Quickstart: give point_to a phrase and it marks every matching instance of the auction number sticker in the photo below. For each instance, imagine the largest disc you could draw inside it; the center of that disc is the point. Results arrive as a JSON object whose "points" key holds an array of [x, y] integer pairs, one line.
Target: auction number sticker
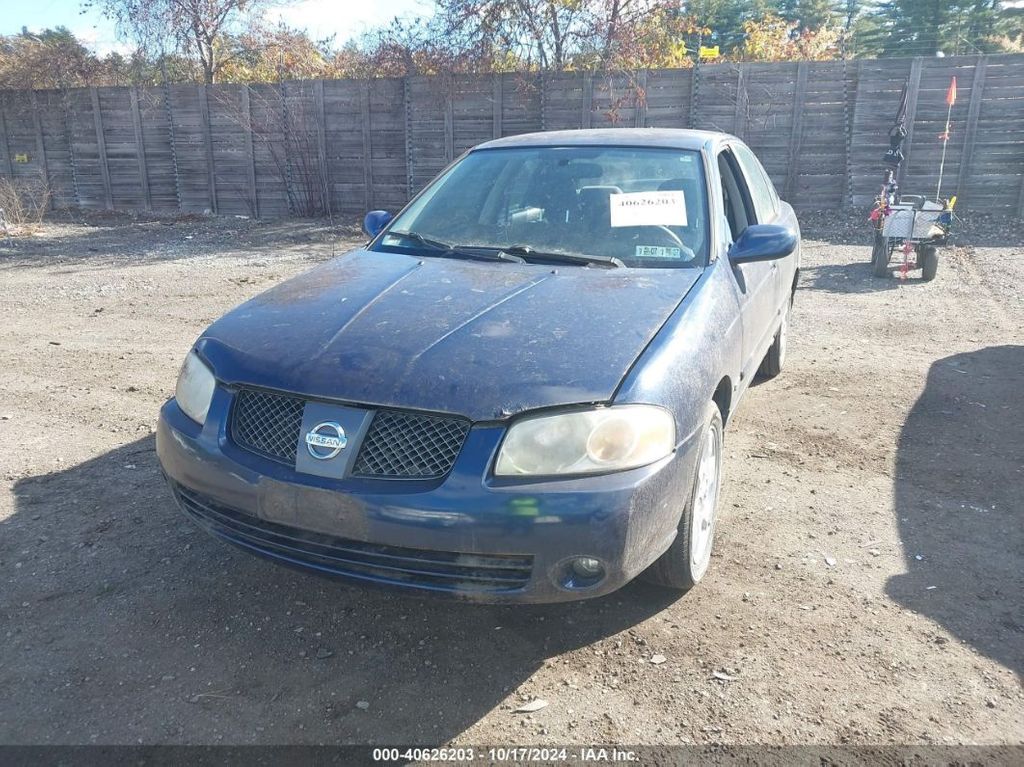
{"points": [[648, 208]]}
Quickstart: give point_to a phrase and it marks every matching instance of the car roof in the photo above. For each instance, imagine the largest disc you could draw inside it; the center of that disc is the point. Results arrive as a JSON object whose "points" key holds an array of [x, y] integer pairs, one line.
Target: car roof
{"points": [[667, 138]]}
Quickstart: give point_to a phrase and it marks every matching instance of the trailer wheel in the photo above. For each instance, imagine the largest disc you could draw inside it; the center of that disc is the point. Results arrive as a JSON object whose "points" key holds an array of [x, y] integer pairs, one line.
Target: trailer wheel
{"points": [[880, 256], [929, 258]]}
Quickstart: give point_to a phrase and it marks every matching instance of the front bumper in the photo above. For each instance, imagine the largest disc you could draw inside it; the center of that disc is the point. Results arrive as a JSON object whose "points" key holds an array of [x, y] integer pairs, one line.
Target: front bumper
{"points": [[468, 536]]}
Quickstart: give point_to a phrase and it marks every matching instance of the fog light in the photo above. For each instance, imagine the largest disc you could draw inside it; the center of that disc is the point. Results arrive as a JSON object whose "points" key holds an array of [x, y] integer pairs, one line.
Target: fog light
{"points": [[587, 567]]}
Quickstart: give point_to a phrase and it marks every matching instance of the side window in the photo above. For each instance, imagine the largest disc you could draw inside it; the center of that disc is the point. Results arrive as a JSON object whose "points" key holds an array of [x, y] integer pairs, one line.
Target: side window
{"points": [[762, 192], [739, 210]]}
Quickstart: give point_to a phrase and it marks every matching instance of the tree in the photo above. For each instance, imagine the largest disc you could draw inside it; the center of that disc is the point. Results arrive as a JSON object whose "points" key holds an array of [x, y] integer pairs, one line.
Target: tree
{"points": [[927, 27], [811, 14], [724, 21], [541, 34], [52, 58], [404, 47], [772, 38], [195, 28], [265, 53], [627, 36]]}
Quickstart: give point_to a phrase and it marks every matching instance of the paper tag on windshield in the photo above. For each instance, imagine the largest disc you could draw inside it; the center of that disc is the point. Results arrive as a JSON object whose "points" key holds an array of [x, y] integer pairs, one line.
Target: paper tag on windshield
{"points": [[648, 208], [657, 251]]}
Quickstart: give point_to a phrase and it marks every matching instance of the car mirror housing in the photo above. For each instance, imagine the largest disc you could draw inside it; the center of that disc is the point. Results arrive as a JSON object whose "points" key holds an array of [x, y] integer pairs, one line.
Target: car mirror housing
{"points": [[763, 242], [375, 221]]}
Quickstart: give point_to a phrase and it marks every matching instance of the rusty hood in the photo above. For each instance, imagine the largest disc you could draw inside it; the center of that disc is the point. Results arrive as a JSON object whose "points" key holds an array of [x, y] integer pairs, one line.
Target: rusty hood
{"points": [[482, 339]]}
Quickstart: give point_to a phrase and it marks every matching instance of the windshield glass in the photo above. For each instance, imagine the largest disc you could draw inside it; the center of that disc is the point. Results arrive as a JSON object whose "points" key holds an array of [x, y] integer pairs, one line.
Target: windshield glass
{"points": [[644, 207]]}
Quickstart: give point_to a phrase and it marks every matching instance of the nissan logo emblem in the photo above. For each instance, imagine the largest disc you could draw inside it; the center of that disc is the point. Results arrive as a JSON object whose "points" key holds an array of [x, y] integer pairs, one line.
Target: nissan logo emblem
{"points": [[326, 440]]}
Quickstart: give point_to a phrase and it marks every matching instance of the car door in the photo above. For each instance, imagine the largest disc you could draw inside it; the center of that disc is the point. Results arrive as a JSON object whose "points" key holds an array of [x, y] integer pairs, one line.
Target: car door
{"points": [[757, 281], [768, 210]]}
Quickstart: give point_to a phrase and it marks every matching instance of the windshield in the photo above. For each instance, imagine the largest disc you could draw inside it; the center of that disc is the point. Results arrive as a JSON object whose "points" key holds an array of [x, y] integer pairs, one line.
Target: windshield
{"points": [[641, 207]]}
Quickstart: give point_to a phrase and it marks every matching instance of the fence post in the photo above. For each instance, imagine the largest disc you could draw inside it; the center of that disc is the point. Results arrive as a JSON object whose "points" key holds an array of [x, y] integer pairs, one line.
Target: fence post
{"points": [[739, 123], [364, 102], [543, 99], [691, 118], [407, 94], [977, 87], [69, 140], [796, 133], [170, 133], [640, 97], [140, 148], [850, 120], [1020, 198], [588, 99], [286, 134], [497, 104], [204, 117], [321, 142], [249, 153], [8, 167], [449, 120], [912, 89], [101, 146], [41, 145]]}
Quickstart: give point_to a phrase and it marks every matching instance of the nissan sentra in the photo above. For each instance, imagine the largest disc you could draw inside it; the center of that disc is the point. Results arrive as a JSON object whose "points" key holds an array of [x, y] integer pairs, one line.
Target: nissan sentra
{"points": [[516, 390]]}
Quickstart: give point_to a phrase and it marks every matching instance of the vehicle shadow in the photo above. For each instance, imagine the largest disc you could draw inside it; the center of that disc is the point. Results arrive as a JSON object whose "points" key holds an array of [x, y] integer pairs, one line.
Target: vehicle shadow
{"points": [[855, 278], [959, 474], [124, 623]]}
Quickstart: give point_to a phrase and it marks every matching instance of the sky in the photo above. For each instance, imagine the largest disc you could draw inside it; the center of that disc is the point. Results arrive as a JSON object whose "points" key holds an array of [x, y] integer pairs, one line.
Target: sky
{"points": [[345, 19]]}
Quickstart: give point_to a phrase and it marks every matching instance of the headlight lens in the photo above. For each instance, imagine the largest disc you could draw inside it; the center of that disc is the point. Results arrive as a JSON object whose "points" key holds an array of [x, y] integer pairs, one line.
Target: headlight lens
{"points": [[195, 388], [587, 442]]}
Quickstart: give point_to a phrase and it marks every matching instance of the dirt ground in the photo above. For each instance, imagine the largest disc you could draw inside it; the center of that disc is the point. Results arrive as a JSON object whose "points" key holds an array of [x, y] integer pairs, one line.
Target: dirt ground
{"points": [[867, 585]]}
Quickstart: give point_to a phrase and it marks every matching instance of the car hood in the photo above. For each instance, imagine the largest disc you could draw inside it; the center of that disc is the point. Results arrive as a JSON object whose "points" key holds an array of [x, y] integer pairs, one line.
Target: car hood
{"points": [[482, 339]]}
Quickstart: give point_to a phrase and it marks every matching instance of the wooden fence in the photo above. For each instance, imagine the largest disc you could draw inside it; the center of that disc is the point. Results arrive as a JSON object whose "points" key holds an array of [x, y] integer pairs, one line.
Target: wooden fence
{"points": [[345, 146]]}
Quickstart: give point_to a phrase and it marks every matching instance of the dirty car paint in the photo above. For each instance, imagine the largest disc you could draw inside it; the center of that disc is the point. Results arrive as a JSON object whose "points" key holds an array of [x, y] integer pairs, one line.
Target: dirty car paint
{"points": [[476, 339]]}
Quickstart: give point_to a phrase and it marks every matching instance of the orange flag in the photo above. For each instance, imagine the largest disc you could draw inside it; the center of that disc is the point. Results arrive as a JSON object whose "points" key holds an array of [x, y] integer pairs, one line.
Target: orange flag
{"points": [[951, 93]]}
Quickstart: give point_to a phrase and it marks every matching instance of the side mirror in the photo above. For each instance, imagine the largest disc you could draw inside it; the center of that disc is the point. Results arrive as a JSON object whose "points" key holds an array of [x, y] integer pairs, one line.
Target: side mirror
{"points": [[375, 221], [762, 242]]}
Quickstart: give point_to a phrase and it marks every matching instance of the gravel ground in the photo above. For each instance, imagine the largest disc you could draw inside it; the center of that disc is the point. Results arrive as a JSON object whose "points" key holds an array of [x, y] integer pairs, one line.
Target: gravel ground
{"points": [[867, 586]]}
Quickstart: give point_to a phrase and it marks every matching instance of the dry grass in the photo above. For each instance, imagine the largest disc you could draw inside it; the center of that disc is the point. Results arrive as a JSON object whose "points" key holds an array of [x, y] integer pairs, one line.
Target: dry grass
{"points": [[23, 205]]}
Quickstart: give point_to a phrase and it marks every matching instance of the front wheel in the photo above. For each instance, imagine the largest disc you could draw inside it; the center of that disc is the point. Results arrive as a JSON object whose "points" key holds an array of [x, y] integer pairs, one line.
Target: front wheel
{"points": [[687, 559], [929, 258]]}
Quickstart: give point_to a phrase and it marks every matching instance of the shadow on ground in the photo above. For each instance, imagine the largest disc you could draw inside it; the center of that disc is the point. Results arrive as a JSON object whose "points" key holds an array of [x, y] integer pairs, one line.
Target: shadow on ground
{"points": [[124, 623], [125, 240], [958, 496], [856, 278]]}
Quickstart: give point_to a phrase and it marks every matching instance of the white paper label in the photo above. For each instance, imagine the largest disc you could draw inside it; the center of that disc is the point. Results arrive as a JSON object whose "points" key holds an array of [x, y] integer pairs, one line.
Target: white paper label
{"points": [[648, 208]]}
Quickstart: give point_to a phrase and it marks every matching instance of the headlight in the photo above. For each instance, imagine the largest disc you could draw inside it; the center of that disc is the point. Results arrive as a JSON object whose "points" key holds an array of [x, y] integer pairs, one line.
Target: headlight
{"points": [[587, 442], [195, 388]]}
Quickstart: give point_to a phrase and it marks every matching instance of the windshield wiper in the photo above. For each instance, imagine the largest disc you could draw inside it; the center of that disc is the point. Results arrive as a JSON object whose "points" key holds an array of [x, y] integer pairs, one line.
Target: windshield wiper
{"points": [[528, 253], [425, 241], [461, 251]]}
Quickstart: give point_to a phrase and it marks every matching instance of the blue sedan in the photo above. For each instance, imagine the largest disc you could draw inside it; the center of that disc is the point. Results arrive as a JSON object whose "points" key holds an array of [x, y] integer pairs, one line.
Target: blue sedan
{"points": [[516, 390]]}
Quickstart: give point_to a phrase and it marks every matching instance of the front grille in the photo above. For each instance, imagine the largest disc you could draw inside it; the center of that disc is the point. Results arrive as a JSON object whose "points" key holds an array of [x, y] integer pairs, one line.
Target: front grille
{"points": [[268, 424], [396, 565], [398, 445], [406, 445]]}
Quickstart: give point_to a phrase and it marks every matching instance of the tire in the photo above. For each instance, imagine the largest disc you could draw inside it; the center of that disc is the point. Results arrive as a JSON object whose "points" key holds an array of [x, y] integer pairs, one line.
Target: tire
{"points": [[775, 357], [687, 559], [880, 256], [929, 258]]}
